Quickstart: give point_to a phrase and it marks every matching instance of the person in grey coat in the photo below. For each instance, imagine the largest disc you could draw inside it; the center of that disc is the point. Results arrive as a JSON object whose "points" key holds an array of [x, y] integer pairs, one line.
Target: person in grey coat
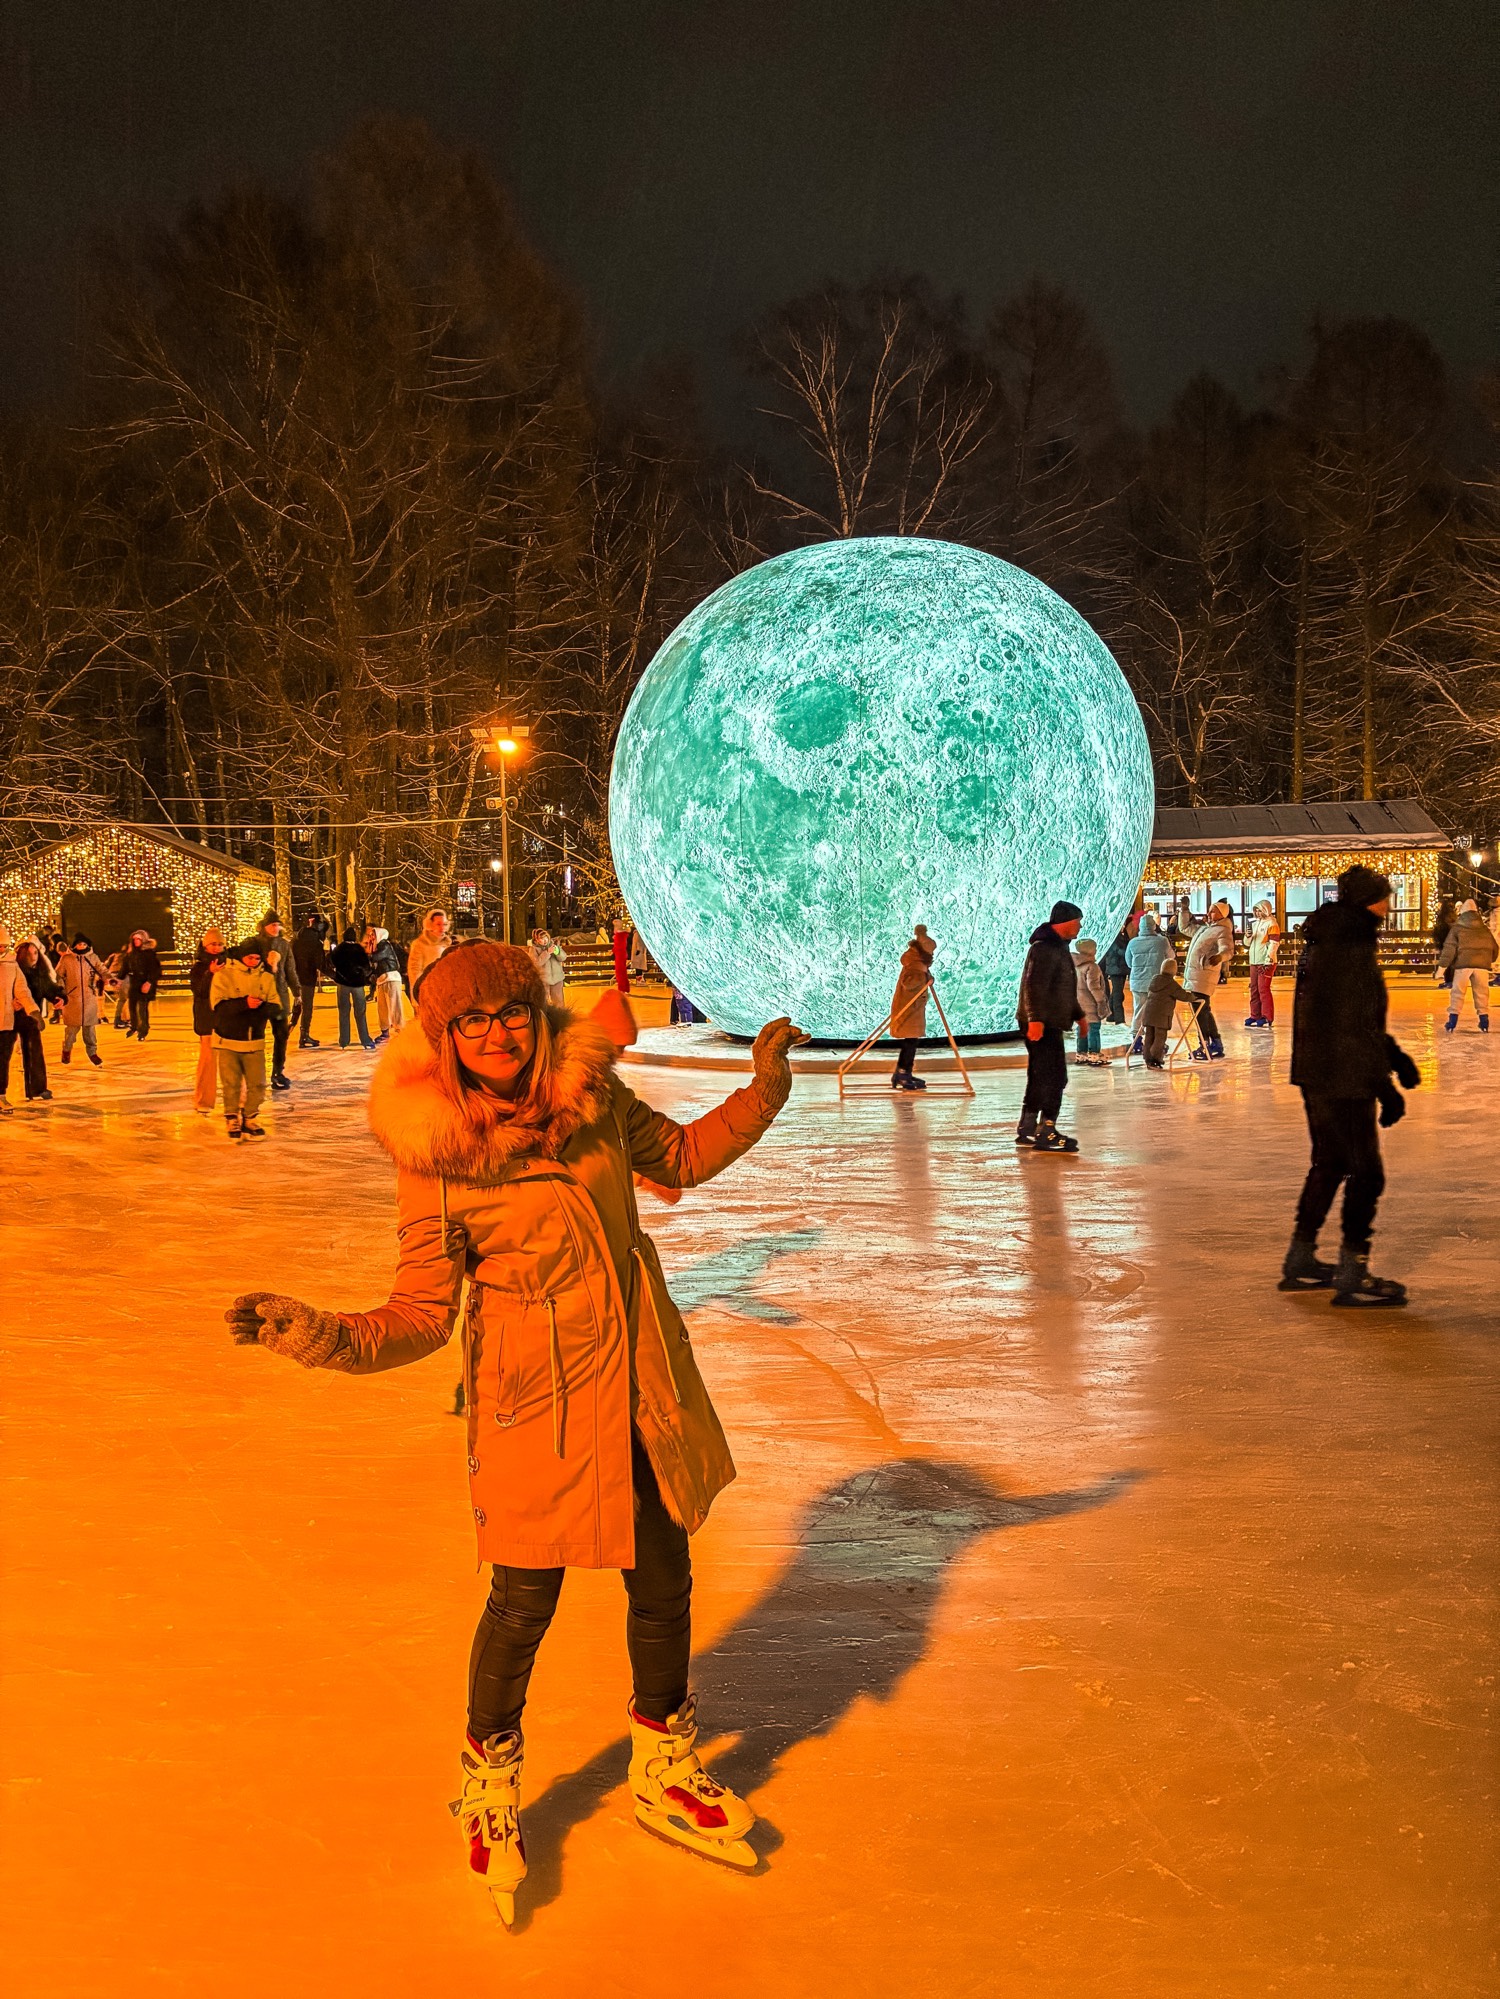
{"points": [[1093, 1002], [1469, 950]]}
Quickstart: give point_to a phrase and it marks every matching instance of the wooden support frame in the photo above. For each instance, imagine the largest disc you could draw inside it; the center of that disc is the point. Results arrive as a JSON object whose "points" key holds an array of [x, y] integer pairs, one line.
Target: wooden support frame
{"points": [[867, 1046]]}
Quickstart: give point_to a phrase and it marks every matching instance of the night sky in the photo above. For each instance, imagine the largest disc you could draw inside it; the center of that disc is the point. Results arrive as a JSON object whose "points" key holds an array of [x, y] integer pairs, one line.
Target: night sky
{"points": [[1205, 176]]}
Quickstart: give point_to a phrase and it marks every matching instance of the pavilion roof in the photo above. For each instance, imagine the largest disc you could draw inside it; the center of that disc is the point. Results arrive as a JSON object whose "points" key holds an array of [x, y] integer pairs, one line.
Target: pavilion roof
{"points": [[161, 836], [1380, 824]]}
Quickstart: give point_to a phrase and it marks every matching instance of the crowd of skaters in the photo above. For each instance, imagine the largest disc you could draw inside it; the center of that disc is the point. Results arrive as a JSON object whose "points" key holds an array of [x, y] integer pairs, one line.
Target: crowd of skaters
{"points": [[247, 998], [1344, 1062]]}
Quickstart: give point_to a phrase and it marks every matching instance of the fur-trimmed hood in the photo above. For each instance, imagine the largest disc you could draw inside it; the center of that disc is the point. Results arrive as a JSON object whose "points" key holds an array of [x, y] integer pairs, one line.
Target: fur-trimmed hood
{"points": [[475, 1140]]}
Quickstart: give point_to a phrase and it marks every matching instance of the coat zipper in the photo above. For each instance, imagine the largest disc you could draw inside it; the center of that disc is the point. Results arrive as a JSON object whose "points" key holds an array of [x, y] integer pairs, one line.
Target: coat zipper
{"points": [[559, 1379]]}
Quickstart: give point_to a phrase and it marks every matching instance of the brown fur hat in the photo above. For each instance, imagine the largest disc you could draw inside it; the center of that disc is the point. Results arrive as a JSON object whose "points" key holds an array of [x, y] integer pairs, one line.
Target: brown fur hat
{"points": [[480, 974]]}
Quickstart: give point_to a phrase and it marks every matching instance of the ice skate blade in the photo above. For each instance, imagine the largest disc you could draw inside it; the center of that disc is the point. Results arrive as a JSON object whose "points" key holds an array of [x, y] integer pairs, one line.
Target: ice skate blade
{"points": [[735, 1853], [1305, 1284], [503, 1900], [1355, 1301]]}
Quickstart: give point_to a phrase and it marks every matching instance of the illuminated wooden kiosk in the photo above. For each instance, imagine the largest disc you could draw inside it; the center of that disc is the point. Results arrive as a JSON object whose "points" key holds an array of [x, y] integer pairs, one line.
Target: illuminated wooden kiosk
{"points": [[110, 879], [1291, 856]]}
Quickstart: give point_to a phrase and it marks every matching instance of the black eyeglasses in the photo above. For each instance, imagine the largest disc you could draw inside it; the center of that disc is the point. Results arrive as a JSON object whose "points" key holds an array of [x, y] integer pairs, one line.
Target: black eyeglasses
{"points": [[475, 1026]]}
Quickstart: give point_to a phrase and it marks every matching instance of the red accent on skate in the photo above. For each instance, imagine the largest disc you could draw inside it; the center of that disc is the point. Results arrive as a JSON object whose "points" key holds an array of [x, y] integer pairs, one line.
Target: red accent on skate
{"points": [[479, 1855], [645, 1721], [707, 1818]]}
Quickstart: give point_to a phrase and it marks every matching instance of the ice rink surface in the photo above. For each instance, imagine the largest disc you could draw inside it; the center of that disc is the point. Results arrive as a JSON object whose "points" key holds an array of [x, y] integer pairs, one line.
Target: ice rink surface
{"points": [[1088, 1617]]}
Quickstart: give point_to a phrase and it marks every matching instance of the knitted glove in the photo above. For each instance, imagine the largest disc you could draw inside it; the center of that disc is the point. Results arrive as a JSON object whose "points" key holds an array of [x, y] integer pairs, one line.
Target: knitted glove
{"points": [[773, 1072], [1392, 1104], [285, 1326], [1408, 1075]]}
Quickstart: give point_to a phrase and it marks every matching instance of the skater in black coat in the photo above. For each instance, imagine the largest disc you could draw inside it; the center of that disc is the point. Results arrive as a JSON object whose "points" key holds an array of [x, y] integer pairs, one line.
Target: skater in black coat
{"points": [[141, 966], [1116, 968], [1342, 1059], [353, 975], [1046, 1008], [310, 962]]}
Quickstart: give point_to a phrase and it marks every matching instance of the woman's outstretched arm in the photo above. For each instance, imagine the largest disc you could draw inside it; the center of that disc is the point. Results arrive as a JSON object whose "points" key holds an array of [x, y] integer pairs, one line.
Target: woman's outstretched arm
{"points": [[416, 1321], [684, 1155]]}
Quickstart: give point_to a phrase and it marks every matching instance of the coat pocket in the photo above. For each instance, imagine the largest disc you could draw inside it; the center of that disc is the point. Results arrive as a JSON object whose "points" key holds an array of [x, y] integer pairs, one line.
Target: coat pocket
{"points": [[494, 1369], [518, 1359]]}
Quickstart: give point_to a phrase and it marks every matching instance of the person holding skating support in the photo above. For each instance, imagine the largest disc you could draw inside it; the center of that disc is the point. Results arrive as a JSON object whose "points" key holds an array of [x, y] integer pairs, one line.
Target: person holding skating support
{"points": [[1158, 1010], [909, 1008], [1342, 1061], [1047, 1007], [592, 1440]]}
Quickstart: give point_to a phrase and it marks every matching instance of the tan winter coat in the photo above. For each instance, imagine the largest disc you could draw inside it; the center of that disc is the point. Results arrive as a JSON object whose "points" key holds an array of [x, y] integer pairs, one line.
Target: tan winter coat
{"points": [[15, 994], [77, 975], [909, 1005], [569, 1336]]}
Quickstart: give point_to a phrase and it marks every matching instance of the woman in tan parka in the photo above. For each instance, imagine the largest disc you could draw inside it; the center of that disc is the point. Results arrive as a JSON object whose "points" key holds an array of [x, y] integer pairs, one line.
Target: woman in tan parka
{"points": [[592, 1440], [909, 1007]]}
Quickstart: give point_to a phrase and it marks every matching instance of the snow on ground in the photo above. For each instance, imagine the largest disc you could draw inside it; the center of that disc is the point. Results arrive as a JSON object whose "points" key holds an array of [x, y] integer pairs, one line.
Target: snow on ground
{"points": [[1088, 1617]]}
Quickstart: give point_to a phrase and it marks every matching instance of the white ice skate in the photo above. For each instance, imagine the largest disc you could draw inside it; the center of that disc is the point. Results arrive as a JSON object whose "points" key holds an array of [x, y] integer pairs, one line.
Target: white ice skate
{"points": [[490, 1813], [677, 1799]]}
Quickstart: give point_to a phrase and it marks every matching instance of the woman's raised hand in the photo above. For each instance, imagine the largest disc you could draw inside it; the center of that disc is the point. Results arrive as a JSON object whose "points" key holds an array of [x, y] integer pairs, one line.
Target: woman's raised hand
{"points": [[285, 1326], [773, 1072]]}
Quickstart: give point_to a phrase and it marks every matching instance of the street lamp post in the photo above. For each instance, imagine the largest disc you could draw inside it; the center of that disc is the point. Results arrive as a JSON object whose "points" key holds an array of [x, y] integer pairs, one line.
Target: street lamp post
{"points": [[504, 739], [504, 848]]}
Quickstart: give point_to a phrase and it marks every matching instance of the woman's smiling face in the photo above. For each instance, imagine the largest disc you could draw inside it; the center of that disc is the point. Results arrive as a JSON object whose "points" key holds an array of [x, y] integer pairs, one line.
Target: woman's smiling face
{"points": [[495, 1051]]}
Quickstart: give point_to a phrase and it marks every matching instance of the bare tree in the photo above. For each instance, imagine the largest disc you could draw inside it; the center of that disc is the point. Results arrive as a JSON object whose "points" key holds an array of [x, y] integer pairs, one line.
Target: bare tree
{"points": [[885, 405]]}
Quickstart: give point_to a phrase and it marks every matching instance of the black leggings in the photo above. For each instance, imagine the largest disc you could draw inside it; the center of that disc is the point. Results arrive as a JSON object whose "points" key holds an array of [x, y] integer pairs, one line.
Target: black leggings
{"points": [[1345, 1149], [658, 1619], [906, 1056]]}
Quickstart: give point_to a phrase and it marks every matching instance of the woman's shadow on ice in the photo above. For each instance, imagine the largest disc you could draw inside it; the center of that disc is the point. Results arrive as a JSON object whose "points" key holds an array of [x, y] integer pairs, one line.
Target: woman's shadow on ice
{"points": [[849, 1616]]}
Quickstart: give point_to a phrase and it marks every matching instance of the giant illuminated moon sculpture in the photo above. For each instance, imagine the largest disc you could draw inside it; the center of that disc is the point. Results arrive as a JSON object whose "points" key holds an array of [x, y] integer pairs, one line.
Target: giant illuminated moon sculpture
{"points": [[864, 735]]}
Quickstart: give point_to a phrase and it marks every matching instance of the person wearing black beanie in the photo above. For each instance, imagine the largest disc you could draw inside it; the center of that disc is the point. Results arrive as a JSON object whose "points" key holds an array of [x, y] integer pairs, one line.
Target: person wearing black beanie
{"points": [[1047, 1007], [1342, 1060]]}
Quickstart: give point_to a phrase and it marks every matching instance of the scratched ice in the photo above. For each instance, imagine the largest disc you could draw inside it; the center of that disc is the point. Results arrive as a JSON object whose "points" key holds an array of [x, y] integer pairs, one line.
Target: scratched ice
{"points": [[1087, 1618]]}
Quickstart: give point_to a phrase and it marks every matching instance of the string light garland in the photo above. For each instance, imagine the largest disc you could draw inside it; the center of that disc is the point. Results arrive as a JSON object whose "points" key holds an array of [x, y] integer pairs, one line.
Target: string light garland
{"points": [[214, 890], [1171, 871]]}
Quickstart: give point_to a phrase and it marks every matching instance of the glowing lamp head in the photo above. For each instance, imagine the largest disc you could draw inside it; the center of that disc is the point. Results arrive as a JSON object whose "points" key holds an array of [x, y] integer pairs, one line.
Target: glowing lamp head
{"points": [[864, 735], [1476, 855], [506, 745]]}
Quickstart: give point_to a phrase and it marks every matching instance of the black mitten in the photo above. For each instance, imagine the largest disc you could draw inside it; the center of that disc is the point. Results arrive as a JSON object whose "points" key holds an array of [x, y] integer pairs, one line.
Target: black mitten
{"points": [[1392, 1104], [1408, 1075]]}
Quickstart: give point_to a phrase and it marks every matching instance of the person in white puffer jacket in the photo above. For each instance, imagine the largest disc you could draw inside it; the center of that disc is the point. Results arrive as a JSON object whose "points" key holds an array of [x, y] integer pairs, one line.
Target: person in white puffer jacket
{"points": [[1208, 960], [1265, 943]]}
